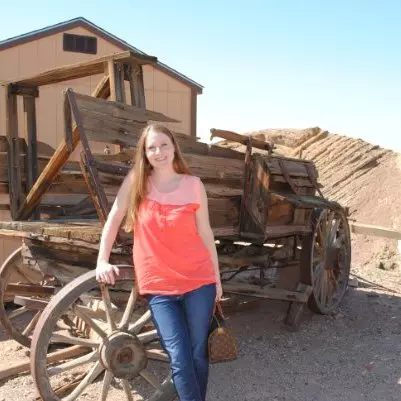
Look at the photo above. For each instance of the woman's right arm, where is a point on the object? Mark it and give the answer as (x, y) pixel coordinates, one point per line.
(104, 271)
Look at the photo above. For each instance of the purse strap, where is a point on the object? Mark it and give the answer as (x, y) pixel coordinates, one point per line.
(219, 308)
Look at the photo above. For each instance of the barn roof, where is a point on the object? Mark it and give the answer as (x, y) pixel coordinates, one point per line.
(83, 22)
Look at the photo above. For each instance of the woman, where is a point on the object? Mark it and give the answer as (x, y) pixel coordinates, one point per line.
(174, 254)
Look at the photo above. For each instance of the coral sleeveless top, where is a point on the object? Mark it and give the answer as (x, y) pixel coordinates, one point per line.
(169, 255)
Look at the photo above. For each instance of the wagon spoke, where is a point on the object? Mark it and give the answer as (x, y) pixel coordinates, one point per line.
(61, 338)
(127, 389)
(89, 321)
(91, 357)
(148, 336)
(31, 325)
(157, 355)
(151, 379)
(319, 234)
(322, 290)
(319, 250)
(17, 312)
(137, 326)
(330, 286)
(334, 281)
(318, 272)
(88, 379)
(339, 240)
(333, 231)
(129, 309)
(108, 308)
(108, 378)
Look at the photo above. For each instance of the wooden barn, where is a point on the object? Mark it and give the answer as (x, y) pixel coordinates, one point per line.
(78, 41)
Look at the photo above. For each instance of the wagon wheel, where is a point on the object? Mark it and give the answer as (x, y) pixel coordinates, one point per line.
(326, 259)
(123, 345)
(20, 322)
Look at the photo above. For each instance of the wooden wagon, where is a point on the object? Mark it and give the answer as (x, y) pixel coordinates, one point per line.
(267, 214)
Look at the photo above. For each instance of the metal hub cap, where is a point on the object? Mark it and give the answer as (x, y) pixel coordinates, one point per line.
(123, 354)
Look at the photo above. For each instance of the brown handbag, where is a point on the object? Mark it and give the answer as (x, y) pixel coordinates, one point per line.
(221, 342)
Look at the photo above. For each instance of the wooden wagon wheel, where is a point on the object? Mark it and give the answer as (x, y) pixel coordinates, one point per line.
(18, 323)
(123, 344)
(326, 259)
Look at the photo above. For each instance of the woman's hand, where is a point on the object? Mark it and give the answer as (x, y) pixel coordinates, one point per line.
(219, 291)
(105, 273)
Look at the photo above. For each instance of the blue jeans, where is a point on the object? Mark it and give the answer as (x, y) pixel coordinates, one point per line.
(182, 322)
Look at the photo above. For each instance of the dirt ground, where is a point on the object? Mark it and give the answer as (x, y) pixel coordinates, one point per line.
(354, 355)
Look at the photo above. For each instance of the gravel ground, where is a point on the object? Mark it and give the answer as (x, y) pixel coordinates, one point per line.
(354, 355)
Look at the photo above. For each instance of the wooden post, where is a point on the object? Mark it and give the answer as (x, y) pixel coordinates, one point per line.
(117, 88)
(137, 86)
(14, 168)
(116, 74)
(31, 138)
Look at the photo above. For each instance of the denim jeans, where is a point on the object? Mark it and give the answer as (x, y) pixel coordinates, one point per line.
(182, 322)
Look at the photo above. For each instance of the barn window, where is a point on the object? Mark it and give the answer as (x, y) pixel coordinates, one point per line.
(79, 43)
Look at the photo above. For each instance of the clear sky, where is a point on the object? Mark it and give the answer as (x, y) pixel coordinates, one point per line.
(264, 64)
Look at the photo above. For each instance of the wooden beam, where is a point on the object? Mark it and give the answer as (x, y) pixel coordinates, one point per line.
(30, 134)
(88, 165)
(234, 137)
(137, 86)
(83, 69)
(377, 231)
(102, 90)
(24, 366)
(98, 107)
(120, 86)
(270, 293)
(112, 76)
(24, 90)
(14, 169)
(50, 172)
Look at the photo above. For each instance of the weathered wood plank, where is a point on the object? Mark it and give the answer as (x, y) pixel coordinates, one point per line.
(123, 112)
(374, 230)
(32, 149)
(14, 169)
(270, 293)
(102, 90)
(205, 167)
(137, 86)
(83, 69)
(243, 139)
(24, 366)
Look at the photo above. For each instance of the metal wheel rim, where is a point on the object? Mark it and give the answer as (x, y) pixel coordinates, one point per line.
(46, 324)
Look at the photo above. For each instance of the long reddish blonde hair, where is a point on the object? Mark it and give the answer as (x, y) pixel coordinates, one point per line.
(142, 170)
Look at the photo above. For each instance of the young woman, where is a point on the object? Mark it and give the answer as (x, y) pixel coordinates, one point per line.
(174, 254)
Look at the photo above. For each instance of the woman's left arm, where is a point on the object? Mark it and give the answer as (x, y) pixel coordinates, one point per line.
(206, 233)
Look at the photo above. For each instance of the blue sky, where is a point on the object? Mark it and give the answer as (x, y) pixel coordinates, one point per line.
(264, 64)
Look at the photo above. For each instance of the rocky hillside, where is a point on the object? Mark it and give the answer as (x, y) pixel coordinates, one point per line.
(360, 175)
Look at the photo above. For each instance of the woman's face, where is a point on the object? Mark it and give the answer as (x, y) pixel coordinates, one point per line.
(159, 150)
